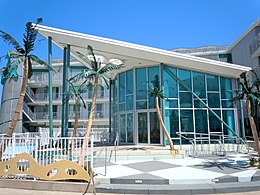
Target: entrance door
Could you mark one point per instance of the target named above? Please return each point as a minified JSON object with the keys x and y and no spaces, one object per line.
{"x":126,"y":128}
{"x":148,"y":128}
{"x":142,"y":122}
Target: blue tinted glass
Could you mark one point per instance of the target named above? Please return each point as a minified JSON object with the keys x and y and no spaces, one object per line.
{"x":170,"y":85}
{"x":129,"y":82}
{"x":199,"y":104}
{"x":121,"y":87}
{"x":172,"y":122}
{"x":141,"y":104}
{"x":185,"y":77}
{"x":214,"y":122}
{"x":129,"y":102}
{"x":185,"y":100}
{"x":212,"y":83}
{"x":228,"y":117}
{"x":141,"y":84}
{"x":154,"y":79}
{"x":226,"y":88}
{"x":227,"y":104}
{"x":171,"y":103}
{"x":201,"y":122}
{"x":213,"y":100}
{"x":186,"y":121}
{"x":121,"y":106}
{"x":199,"y":86}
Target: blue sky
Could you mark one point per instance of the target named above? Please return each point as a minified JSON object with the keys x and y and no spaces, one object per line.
{"x":164,"y":24}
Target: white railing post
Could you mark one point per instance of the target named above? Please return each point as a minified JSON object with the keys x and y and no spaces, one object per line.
{"x":13,"y":145}
{"x":36,"y":148}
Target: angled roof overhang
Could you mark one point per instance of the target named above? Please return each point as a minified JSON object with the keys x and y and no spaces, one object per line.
{"x":134,"y":55}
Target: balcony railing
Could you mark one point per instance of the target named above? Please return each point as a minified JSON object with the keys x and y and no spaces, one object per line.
{"x":82,"y":116}
{"x":58,"y":96}
{"x":30,"y":93}
{"x":44,"y":77}
{"x":28,"y":111}
{"x":255,"y":44}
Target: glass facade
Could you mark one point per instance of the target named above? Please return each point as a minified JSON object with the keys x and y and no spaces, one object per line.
{"x":183,"y":113}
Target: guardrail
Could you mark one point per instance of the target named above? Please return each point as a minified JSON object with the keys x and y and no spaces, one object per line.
{"x":213,"y":143}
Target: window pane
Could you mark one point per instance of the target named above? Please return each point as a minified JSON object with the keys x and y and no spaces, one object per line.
{"x":141,"y":85}
{"x":214,"y":122}
{"x":227,"y":104}
{"x":185,"y":77}
{"x":199,"y":104}
{"x":201,"y":121}
{"x":170,"y":85}
{"x":214,"y":100}
{"x":187,"y":121}
{"x":199,"y":86}
{"x":154,"y":128}
{"x":121,"y":87}
{"x":226,"y":88}
{"x":212,"y":83}
{"x":172,"y":122}
{"x":130,"y":128}
{"x":228,"y":117}
{"x":129,"y":82}
{"x":185,"y":100}
{"x":141,"y":105}
{"x":122,"y":129}
{"x":129,"y":102}
{"x":171,"y":103}
{"x":153,"y":75}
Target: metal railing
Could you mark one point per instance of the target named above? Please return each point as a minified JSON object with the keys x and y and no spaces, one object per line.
{"x":30,"y":93}
{"x":213,"y":143}
{"x":29,"y":112}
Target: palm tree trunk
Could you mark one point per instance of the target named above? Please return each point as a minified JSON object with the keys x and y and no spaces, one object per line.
{"x":162,"y":124}
{"x":90,"y":122}
{"x":18,"y":107}
{"x":253,"y":127}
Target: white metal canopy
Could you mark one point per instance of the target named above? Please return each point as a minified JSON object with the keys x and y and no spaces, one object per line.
{"x":134,"y":55}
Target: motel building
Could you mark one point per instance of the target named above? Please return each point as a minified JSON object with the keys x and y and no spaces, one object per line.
{"x":197,"y":91}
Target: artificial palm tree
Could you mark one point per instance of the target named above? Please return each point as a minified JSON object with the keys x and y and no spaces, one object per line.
{"x":21,"y":54}
{"x":93,"y":75}
{"x":157,"y":93}
{"x":251,"y":93}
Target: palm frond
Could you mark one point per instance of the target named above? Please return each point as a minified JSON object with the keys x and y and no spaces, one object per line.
{"x":10,"y":40}
{"x":94,"y":63}
{"x":87,"y":74}
{"x":109,"y":67}
{"x":104,"y":79}
{"x":37,"y":60}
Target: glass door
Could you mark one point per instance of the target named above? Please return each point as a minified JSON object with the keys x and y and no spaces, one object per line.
{"x":142,"y":121}
{"x":126,"y":129}
{"x":155,"y":134}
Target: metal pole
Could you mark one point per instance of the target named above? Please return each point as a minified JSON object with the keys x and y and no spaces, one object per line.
{"x":162,"y":102}
{"x":110,"y":107}
{"x":67,"y":90}
{"x":243,"y":132}
{"x":64,"y":83}
{"x":50,"y":87}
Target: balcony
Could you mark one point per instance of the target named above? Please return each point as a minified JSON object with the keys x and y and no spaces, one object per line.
{"x":102,"y":115}
{"x":254,"y":47}
{"x":42,"y":78}
{"x":28,"y":112}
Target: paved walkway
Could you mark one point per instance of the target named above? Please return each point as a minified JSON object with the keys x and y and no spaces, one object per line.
{"x":204,"y":170}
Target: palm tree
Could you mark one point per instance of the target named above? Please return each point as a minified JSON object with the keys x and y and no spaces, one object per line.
{"x":93,"y":75}
{"x":21,"y":54}
{"x":157,"y":93}
{"x":251,"y":93}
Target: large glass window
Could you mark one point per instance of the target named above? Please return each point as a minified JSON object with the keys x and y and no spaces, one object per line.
{"x":172,"y":122}
{"x":201,"y":121}
{"x":199,"y":86}
{"x":228,"y":117}
{"x":214,"y":122}
{"x":129,"y":102}
{"x":212,"y":83}
{"x":153,"y":76}
{"x":121,"y":87}
{"x":154,"y":128}
{"x":129,"y":82}
{"x":170,"y":85}
{"x":185,"y":100}
{"x":226,"y":88}
{"x":185,"y":77}
{"x":214,"y":100}
{"x":186,"y":121}
{"x":141,"y":88}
